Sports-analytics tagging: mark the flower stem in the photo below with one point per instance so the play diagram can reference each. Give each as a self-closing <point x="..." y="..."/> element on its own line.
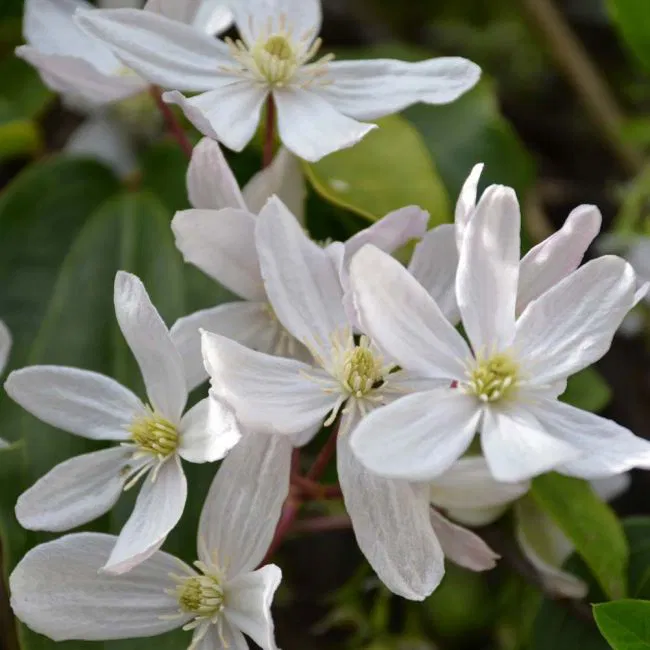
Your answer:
<point x="173" y="125"/>
<point x="269" y="132"/>
<point x="317" y="470"/>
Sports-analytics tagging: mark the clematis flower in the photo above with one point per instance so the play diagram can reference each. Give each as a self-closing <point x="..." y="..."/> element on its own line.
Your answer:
<point x="153" y="437"/>
<point x="393" y="522"/>
<point x="319" y="101"/>
<point x="58" y="588"/>
<point x="506" y="385"/>
<point x="218" y="236"/>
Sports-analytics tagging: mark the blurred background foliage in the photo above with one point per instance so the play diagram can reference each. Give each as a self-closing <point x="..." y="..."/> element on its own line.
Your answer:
<point x="562" y="114"/>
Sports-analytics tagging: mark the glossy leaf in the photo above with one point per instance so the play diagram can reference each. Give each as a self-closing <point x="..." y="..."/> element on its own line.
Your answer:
<point x="625" y="623"/>
<point x="631" y="16"/>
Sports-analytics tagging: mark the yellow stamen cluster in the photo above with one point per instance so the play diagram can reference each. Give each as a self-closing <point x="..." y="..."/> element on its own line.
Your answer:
<point x="200" y="595"/>
<point x="361" y="369"/>
<point x="154" y="435"/>
<point x="494" y="378"/>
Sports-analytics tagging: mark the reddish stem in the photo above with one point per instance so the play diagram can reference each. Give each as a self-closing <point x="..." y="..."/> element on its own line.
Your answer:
<point x="322" y="460"/>
<point x="320" y="524"/>
<point x="315" y="491"/>
<point x="173" y="125"/>
<point x="289" y="513"/>
<point x="269" y="132"/>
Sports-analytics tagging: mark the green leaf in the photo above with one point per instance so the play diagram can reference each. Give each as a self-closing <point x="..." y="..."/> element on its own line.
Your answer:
<point x="389" y="169"/>
<point x="23" y="89"/>
<point x="625" y="623"/>
<point x="591" y="526"/>
<point x="19" y="138"/>
<point x="587" y="390"/>
<point x="631" y="16"/>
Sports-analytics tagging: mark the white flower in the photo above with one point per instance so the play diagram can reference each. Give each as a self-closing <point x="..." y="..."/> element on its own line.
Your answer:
<point x="392" y="520"/>
<point x="218" y="237"/>
<point x="58" y="588"/>
<point x="318" y="101"/>
<point x="5" y="349"/>
<point x="506" y="385"/>
<point x="154" y="437"/>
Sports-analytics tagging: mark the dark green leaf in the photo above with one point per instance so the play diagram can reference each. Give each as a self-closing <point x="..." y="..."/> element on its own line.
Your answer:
<point x="631" y="16"/>
<point x="625" y="623"/>
<point x="587" y="390"/>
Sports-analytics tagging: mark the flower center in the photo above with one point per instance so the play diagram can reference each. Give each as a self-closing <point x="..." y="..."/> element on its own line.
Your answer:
<point x="154" y="435"/>
<point x="361" y="370"/>
<point x="494" y="379"/>
<point x="200" y="595"/>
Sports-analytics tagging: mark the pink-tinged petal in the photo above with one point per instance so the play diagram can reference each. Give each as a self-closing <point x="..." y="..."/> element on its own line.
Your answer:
<point x="391" y="524"/>
<point x="157" y="510"/>
<point x="572" y="325"/>
<point x="402" y="319"/>
<point x="243" y="506"/>
<point x="222" y="244"/>
<point x="74" y="492"/>
<point x="79" y="401"/>
<point x="147" y="336"/>
<point x="466" y="203"/>
<point x="268" y="394"/>
<point x="419" y="436"/>
<point x="462" y="546"/>
<point x="57" y="590"/>
<point x="311" y="128"/>
<point x="367" y="90"/>
<point x="552" y="260"/>
<point x="488" y="271"/>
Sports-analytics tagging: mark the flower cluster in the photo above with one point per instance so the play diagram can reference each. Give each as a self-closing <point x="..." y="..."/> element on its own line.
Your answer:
<point x="423" y="420"/>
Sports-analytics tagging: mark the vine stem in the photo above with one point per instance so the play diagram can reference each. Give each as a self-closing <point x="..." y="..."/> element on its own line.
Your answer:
<point x="317" y="470"/>
<point x="269" y="132"/>
<point x="173" y="125"/>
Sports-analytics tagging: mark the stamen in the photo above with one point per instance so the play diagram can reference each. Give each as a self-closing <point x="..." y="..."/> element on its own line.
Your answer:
<point x="154" y="435"/>
<point x="493" y="378"/>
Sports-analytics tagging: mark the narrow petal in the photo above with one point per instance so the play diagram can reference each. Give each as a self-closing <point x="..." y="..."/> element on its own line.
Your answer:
<point x="301" y="281"/>
<point x="466" y="203"/>
<point x="79" y="401"/>
<point x="157" y="510"/>
<point x="5" y="345"/>
<point x="163" y="51"/>
<point x="391" y="523"/>
<point x="147" y="336"/>
<point x="462" y="546"/>
<point x="211" y="185"/>
<point x="74" y="492"/>
<point x="244" y="503"/>
<point x="402" y="319"/>
<point x="311" y="127"/>
<point x="572" y="325"/>
<point x="552" y="260"/>
<point x="434" y="264"/>
<point x="208" y="432"/>
<point x="56" y="590"/>
<point x="229" y="114"/>
<point x="222" y="244"/>
<point x="248" y="323"/>
<point x="269" y="394"/>
<point x="283" y="177"/>
<point x="367" y="90"/>
<point x="518" y="447"/>
<point x="488" y="271"/>
<point x="248" y="604"/>
<point x="418" y="436"/>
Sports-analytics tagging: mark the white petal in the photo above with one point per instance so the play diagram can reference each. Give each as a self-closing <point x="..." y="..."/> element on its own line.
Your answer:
<point x="552" y="260"/>
<point x="79" y="401"/>
<point x="434" y="264"/>
<point x="466" y="203"/>
<point x="402" y="319"/>
<point x="5" y="345"/>
<point x="74" y="492"/>
<point x="283" y="177"/>
<point x="311" y="128"/>
<point x="224" y="637"/>
<point x="229" y="114"/>
<point x="572" y="325"/>
<point x="147" y="336"/>
<point x="518" y="447"/>
<point x="211" y="185"/>
<point x="418" y="436"/>
<point x="57" y="591"/>
<point x="213" y="17"/>
<point x="269" y="394"/>
<point x="611" y="487"/>
<point x="157" y="510"/>
<point x="488" y="271"/>
<point x="301" y="281"/>
<point x="248" y="323"/>
<point x="470" y="484"/>
<point x="462" y="546"/>
<point x="248" y="604"/>
<point x="391" y="524"/>
<point x="163" y="51"/>
<point x="222" y="244"/>
<point x="367" y="90"/>
<point x="79" y="80"/>
<point x="244" y="503"/>
<point x="208" y="432"/>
